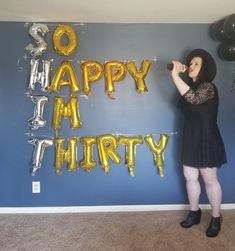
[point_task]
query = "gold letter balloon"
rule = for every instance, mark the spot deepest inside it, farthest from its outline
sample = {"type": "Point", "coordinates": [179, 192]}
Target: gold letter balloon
{"type": "Point", "coordinates": [107, 145]}
{"type": "Point", "coordinates": [69, 110]}
{"type": "Point", "coordinates": [114, 71]}
{"type": "Point", "coordinates": [61, 155]}
{"type": "Point", "coordinates": [68, 48]}
{"type": "Point", "coordinates": [158, 150]}
{"type": "Point", "coordinates": [65, 69]}
{"type": "Point", "coordinates": [88, 162]}
{"type": "Point", "coordinates": [91, 71]}
{"type": "Point", "coordinates": [130, 143]}
{"type": "Point", "coordinates": [139, 75]}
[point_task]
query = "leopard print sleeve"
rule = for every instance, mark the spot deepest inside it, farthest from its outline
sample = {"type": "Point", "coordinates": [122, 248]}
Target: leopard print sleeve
{"type": "Point", "coordinates": [201, 95]}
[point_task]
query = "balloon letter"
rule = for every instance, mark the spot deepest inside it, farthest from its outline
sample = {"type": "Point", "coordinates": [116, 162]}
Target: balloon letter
{"type": "Point", "coordinates": [158, 150]}
{"type": "Point", "coordinates": [42, 78]}
{"type": "Point", "coordinates": [61, 155]}
{"type": "Point", "coordinates": [91, 71]}
{"type": "Point", "coordinates": [69, 110]}
{"type": "Point", "coordinates": [114, 71]}
{"type": "Point", "coordinates": [39, 148]}
{"type": "Point", "coordinates": [107, 145]}
{"type": "Point", "coordinates": [41, 44]}
{"type": "Point", "coordinates": [130, 143]}
{"type": "Point", "coordinates": [140, 75]}
{"type": "Point", "coordinates": [67, 48]}
{"type": "Point", "coordinates": [65, 68]}
{"type": "Point", "coordinates": [88, 163]}
{"type": "Point", "coordinates": [37, 120]}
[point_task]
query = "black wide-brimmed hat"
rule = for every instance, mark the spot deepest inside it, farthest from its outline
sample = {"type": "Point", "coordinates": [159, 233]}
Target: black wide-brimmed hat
{"type": "Point", "coordinates": [208, 70]}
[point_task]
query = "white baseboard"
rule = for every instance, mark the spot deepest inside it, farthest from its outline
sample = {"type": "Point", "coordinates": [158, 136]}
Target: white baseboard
{"type": "Point", "coordinates": [100, 209]}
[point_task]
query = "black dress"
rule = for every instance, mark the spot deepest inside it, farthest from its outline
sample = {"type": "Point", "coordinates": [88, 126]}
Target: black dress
{"type": "Point", "coordinates": [202, 143]}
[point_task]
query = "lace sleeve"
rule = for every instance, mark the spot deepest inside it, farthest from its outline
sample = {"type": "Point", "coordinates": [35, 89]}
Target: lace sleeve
{"type": "Point", "coordinates": [201, 95]}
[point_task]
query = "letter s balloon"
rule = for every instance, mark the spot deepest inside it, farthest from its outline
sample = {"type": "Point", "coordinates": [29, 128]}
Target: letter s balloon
{"type": "Point", "coordinates": [41, 47]}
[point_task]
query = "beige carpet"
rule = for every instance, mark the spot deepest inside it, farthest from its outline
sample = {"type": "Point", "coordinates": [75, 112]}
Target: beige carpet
{"type": "Point", "coordinates": [112, 231]}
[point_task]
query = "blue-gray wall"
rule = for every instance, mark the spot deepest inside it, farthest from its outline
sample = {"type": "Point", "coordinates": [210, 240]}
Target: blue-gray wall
{"type": "Point", "coordinates": [130, 113]}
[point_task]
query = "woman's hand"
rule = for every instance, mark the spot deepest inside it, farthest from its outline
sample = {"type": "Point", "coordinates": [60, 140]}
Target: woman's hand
{"type": "Point", "coordinates": [179, 83]}
{"type": "Point", "coordinates": [177, 68]}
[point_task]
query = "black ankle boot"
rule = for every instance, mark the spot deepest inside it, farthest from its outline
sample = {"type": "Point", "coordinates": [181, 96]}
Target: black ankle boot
{"type": "Point", "coordinates": [193, 218]}
{"type": "Point", "coordinates": [214, 227]}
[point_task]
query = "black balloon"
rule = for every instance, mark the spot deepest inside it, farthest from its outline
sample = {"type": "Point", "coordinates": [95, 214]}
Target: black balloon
{"type": "Point", "coordinates": [227, 51]}
{"type": "Point", "coordinates": [217, 31]}
{"type": "Point", "coordinates": [229, 26]}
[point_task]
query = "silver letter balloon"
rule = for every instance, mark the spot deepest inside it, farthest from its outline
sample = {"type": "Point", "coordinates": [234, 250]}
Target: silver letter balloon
{"type": "Point", "coordinates": [39, 148]}
{"type": "Point", "coordinates": [41, 47]}
{"type": "Point", "coordinates": [42, 78]}
{"type": "Point", "coordinates": [37, 120]}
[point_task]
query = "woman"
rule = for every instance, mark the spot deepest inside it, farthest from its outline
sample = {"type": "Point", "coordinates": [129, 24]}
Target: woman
{"type": "Point", "coordinates": [203, 149]}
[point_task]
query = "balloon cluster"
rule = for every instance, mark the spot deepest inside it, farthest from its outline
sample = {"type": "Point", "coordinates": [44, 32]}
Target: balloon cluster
{"type": "Point", "coordinates": [107, 146]}
{"type": "Point", "coordinates": [37, 31]}
{"type": "Point", "coordinates": [224, 31]}
{"type": "Point", "coordinates": [65, 75]}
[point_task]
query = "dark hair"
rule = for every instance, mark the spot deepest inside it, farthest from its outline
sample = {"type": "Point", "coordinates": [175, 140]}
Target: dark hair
{"type": "Point", "coordinates": [208, 68]}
